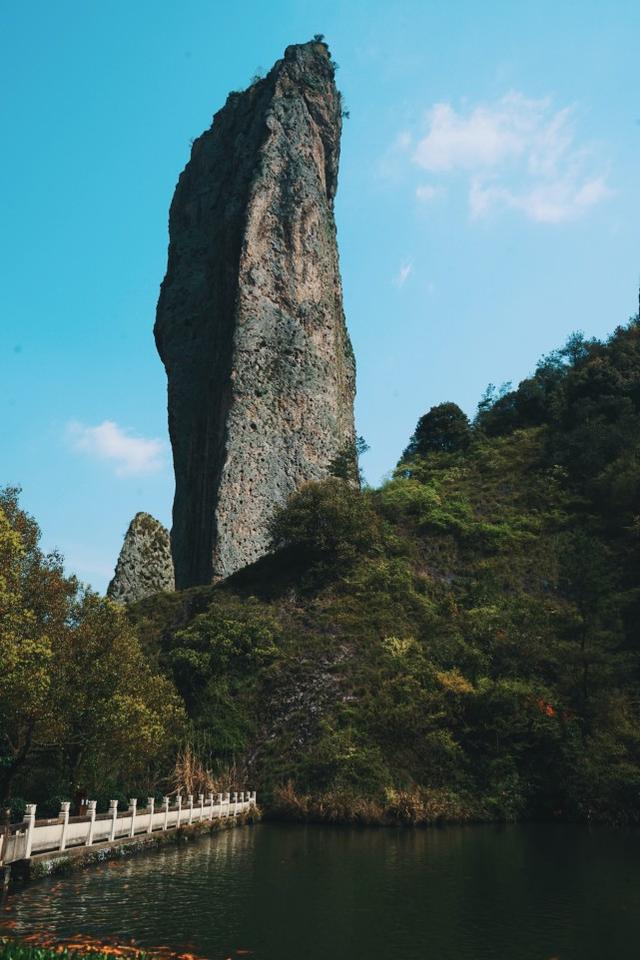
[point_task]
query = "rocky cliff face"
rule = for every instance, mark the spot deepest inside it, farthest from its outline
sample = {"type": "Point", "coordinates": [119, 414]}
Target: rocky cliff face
{"type": "Point", "coordinates": [250, 325]}
{"type": "Point", "coordinates": [144, 566]}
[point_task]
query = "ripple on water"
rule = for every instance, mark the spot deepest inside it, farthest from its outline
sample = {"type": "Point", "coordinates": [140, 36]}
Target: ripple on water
{"type": "Point", "coordinates": [274, 892]}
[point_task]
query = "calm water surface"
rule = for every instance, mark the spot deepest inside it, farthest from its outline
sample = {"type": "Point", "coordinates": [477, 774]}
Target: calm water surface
{"type": "Point", "coordinates": [314, 893]}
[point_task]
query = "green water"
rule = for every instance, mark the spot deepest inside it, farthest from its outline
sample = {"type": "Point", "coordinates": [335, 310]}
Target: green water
{"type": "Point", "coordinates": [313, 893]}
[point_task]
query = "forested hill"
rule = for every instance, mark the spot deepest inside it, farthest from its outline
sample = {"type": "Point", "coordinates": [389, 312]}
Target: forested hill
{"type": "Point", "coordinates": [460, 643]}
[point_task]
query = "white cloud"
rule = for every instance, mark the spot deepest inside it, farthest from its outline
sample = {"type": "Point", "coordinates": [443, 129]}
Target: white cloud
{"type": "Point", "coordinates": [486, 137]}
{"type": "Point", "coordinates": [128, 454]}
{"type": "Point", "coordinates": [403, 274]}
{"type": "Point", "coordinates": [548, 202]}
{"type": "Point", "coordinates": [518, 153]}
{"type": "Point", "coordinates": [427, 192]}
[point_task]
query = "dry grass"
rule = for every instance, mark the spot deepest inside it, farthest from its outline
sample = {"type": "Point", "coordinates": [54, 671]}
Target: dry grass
{"type": "Point", "coordinates": [191, 776]}
{"type": "Point", "coordinates": [413, 807]}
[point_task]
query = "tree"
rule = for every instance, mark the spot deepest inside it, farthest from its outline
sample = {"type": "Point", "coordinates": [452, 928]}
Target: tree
{"type": "Point", "coordinates": [34, 599]}
{"type": "Point", "coordinates": [75, 686]}
{"type": "Point", "coordinates": [346, 464]}
{"type": "Point", "coordinates": [328, 523]}
{"type": "Point", "coordinates": [444, 429]}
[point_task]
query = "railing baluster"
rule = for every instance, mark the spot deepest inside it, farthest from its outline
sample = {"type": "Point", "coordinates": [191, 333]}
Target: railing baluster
{"type": "Point", "coordinates": [30, 821]}
{"type": "Point", "coordinates": [64, 814]}
{"type": "Point", "coordinates": [91, 810]}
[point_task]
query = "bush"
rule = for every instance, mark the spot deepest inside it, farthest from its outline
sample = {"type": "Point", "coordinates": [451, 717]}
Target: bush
{"type": "Point", "coordinates": [328, 523]}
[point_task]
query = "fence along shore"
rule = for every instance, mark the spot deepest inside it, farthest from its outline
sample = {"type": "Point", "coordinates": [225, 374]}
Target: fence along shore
{"type": "Point", "coordinates": [31, 837]}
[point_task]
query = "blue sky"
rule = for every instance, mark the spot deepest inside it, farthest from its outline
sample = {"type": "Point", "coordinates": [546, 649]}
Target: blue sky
{"type": "Point", "coordinates": [488, 205]}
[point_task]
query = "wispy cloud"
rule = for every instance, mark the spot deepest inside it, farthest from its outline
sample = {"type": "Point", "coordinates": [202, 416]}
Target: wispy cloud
{"type": "Point", "coordinates": [127, 453]}
{"type": "Point", "coordinates": [517, 153]}
{"type": "Point", "coordinates": [427, 192]}
{"type": "Point", "coordinates": [403, 274]}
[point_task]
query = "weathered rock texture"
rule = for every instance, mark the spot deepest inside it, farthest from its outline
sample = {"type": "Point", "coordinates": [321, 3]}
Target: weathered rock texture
{"type": "Point", "coordinates": [144, 566]}
{"type": "Point", "coordinates": [250, 325]}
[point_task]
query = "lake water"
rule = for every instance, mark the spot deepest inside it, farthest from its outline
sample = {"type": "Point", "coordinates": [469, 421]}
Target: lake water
{"type": "Point", "coordinates": [279, 892]}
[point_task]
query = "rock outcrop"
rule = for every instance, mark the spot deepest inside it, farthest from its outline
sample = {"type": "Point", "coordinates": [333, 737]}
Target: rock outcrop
{"type": "Point", "coordinates": [144, 566]}
{"type": "Point", "coordinates": [250, 324]}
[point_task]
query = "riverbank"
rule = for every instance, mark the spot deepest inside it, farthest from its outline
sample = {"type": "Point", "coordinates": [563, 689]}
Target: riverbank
{"type": "Point", "coordinates": [41, 947]}
{"type": "Point", "coordinates": [397, 808]}
{"type": "Point", "coordinates": [38, 949]}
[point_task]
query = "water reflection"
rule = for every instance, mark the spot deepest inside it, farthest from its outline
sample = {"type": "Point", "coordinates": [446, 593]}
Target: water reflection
{"type": "Point", "coordinates": [276, 892]}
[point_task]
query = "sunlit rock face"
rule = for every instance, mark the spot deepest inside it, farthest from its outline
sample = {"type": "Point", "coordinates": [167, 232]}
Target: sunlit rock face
{"type": "Point", "coordinates": [144, 566]}
{"type": "Point", "coordinates": [250, 323]}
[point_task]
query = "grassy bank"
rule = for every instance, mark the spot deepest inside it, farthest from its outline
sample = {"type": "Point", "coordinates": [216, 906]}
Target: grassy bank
{"type": "Point", "coordinates": [42, 947]}
{"type": "Point", "coordinates": [411, 808]}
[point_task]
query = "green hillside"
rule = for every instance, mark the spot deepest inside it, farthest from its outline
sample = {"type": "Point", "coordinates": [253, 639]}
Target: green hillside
{"type": "Point", "coordinates": [461, 643]}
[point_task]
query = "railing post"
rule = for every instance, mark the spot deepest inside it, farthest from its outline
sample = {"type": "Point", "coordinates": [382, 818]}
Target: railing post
{"type": "Point", "coordinates": [179, 805]}
{"type": "Point", "coordinates": [165, 802]}
{"type": "Point", "coordinates": [190, 802]}
{"type": "Point", "coordinates": [4, 833]}
{"type": "Point", "coordinates": [30, 821]}
{"type": "Point", "coordinates": [201, 802]}
{"type": "Point", "coordinates": [151, 803]}
{"type": "Point", "coordinates": [234, 801]}
{"type": "Point", "coordinates": [64, 816]}
{"type": "Point", "coordinates": [210, 817]}
{"type": "Point", "coordinates": [113, 810]}
{"type": "Point", "coordinates": [91, 810]}
{"type": "Point", "coordinates": [132, 807]}
{"type": "Point", "coordinates": [253, 798]}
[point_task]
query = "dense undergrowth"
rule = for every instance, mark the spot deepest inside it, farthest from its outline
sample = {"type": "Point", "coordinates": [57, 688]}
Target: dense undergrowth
{"type": "Point", "coordinates": [460, 644]}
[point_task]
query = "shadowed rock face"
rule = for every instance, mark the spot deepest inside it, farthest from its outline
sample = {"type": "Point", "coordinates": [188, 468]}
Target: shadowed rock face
{"type": "Point", "coordinates": [250, 325]}
{"type": "Point", "coordinates": [144, 566]}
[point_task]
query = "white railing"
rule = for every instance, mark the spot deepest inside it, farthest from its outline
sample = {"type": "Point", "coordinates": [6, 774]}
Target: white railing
{"type": "Point", "coordinates": [21, 841]}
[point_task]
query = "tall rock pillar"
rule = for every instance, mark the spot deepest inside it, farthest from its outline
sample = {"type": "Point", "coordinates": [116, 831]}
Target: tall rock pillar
{"type": "Point", "coordinates": [250, 325]}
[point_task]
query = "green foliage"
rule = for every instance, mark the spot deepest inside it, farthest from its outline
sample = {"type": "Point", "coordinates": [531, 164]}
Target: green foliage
{"type": "Point", "coordinates": [444, 429]}
{"type": "Point", "coordinates": [346, 464]}
{"type": "Point", "coordinates": [77, 695]}
{"type": "Point", "coordinates": [329, 525]}
{"type": "Point", "coordinates": [480, 613]}
{"type": "Point", "coordinates": [47, 950]}
{"type": "Point", "coordinates": [460, 643]}
{"type": "Point", "coordinates": [214, 662]}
